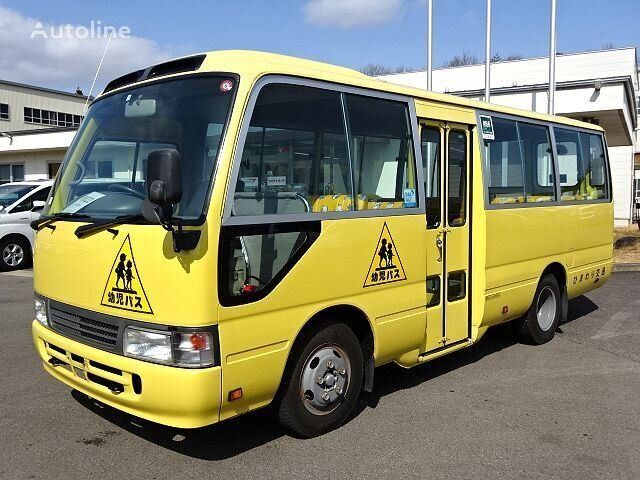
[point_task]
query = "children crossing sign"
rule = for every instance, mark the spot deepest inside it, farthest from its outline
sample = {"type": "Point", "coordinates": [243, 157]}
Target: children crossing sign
{"type": "Point", "coordinates": [386, 266]}
{"type": "Point", "coordinates": [124, 288]}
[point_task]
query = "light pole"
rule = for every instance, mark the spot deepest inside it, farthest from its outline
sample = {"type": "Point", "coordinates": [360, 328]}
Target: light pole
{"type": "Point", "coordinates": [487, 57]}
{"type": "Point", "coordinates": [551, 109]}
{"type": "Point", "coordinates": [430, 46]}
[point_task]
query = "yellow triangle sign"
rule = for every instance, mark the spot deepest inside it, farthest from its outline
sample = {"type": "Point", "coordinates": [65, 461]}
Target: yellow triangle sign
{"type": "Point", "coordinates": [386, 266]}
{"type": "Point", "coordinates": [124, 289]}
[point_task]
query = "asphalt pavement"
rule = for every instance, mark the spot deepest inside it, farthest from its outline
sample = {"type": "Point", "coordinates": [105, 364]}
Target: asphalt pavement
{"type": "Point", "coordinates": [569, 409]}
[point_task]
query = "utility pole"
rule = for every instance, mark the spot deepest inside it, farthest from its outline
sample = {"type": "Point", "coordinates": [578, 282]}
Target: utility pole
{"type": "Point", "coordinates": [487, 59]}
{"type": "Point", "coordinates": [430, 46]}
{"type": "Point", "coordinates": [551, 109]}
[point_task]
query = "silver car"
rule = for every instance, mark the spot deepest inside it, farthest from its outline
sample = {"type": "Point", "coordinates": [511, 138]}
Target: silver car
{"type": "Point", "coordinates": [20, 203]}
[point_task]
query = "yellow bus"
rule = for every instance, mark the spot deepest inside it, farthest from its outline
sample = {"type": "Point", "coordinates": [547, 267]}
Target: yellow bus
{"type": "Point", "coordinates": [237, 229]}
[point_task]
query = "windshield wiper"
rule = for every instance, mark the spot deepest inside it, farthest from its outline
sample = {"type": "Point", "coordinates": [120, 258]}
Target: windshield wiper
{"type": "Point", "coordinates": [49, 219]}
{"type": "Point", "coordinates": [84, 230]}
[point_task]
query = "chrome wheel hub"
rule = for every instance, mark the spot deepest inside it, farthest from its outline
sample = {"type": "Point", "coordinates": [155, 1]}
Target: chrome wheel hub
{"type": "Point", "coordinates": [324, 379]}
{"type": "Point", "coordinates": [13, 255]}
{"type": "Point", "coordinates": [546, 308]}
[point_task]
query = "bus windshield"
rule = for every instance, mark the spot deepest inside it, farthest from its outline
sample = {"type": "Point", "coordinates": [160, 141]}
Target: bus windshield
{"type": "Point", "coordinates": [103, 175]}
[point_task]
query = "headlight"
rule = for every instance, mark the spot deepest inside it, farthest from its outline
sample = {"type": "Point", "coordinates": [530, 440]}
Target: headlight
{"type": "Point", "coordinates": [180, 349]}
{"type": "Point", "coordinates": [40, 306]}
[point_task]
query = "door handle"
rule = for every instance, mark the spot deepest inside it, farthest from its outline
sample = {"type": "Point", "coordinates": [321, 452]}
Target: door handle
{"type": "Point", "coordinates": [439, 244]}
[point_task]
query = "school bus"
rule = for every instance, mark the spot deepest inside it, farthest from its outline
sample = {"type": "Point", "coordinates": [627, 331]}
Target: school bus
{"type": "Point", "coordinates": [237, 229]}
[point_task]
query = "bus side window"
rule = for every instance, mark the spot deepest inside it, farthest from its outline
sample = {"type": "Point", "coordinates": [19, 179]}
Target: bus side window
{"type": "Point", "coordinates": [382, 153]}
{"type": "Point", "coordinates": [295, 156]}
{"type": "Point", "coordinates": [430, 144]}
{"type": "Point", "coordinates": [504, 164]}
{"type": "Point", "coordinates": [569, 164]}
{"type": "Point", "coordinates": [594, 164]}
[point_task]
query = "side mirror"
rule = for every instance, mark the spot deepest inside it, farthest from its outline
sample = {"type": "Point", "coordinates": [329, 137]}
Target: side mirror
{"type": "Point", "coordinates": [164, 190]}
{"type": "Point", "coordinates": [164, 181]}
{"type": "Point", "coordinates": [38, 205]}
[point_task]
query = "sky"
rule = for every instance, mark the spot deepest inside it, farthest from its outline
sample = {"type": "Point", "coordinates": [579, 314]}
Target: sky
{"type": "Point", "coordinates": [351, 33]}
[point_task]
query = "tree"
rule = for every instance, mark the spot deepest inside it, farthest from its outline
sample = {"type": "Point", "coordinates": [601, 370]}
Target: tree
{"type": "Point", "coordinates": [464, 59]}
{"type": "Point", "coordinates": [608, 46]}
{"type": "Point", "coordinates": [496, 58]}
{"type": "Point", "coordinates": [377, 69]}
{"type": "Point", "coordinates": [514, 56]}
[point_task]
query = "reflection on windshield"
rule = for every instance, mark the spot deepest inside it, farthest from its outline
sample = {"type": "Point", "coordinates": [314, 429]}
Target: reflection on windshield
{"type": "Point", "coordinates": [10, 194]}
{"type": "Point", "coordinates": [103, 175]}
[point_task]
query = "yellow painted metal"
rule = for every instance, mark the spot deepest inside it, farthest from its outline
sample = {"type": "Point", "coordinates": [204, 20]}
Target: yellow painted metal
{"type": "Point", "coordinates": [509, 251]}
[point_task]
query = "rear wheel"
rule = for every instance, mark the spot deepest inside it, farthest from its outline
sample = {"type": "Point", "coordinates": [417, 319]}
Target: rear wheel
{"type": "Point", "coordinates": [325, 382]}
{"type": "Point", "coordinates": [15, 253]}
{"type": "Point", "coordinates": [541, 321]}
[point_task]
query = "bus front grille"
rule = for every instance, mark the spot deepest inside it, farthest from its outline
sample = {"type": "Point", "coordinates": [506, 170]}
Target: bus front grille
{"type": "Point", "coordinates": [83, 328]}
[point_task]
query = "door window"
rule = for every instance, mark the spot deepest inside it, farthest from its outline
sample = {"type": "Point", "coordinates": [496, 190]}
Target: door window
{"type": "Point", "coordinates": [430, 144]}
{"type": "Point", "coordinates": [457, 178]}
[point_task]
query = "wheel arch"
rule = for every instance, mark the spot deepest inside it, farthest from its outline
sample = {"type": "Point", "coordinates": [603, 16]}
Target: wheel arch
{"type": "Point", "coordinates": [17, 236]}
{"type": "Point", "coordinates": [350, 315]}
{"type": "Point", "coordinates": [559, 272]}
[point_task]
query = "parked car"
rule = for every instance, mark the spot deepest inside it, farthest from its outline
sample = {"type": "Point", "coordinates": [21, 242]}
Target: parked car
{"type": "Point", "coordinates": [20, 203]}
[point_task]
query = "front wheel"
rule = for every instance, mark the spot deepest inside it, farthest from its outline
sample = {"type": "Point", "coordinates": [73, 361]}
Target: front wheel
{"type": "Point", "coordinates": [541, 321]}
{"type": "Point", "coordinates": [325, 383]}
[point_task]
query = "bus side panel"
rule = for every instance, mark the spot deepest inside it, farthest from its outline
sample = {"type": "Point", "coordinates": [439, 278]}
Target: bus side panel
{"type": "Point", "coordinates": [590, 233]}
{"type": "Point", "coordinates": [256, 338]}
{"type": "Point", "coordinates": [522, 242]}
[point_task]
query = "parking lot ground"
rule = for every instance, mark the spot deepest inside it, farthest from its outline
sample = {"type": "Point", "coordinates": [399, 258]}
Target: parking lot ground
{"type": "Point", "coordinates": [569, 409]}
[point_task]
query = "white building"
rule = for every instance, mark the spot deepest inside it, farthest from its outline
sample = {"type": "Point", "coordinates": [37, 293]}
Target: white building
{"type": "Point", "coordinates": [599, 87]}
{"type": "Point", "coordinates": [36, 127]}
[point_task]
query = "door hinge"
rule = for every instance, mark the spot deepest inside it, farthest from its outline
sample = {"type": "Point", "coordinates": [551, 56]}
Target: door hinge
{"type": "Point", "coordinates": [444, 341]}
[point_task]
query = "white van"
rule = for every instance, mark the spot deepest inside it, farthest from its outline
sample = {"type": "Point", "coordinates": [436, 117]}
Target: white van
{"type": "Point", "coordinates": [20, 203]}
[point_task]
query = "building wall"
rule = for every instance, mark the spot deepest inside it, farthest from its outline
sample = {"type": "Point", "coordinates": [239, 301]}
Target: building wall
{"type": "Point", "coordinates": [18, 97]}
{"type": "Point", "coordinates": [621, 160]}
{"type": "Point", "coordinates": [535, 71]}
{"type": "Point", "coordinates": [36, 162]}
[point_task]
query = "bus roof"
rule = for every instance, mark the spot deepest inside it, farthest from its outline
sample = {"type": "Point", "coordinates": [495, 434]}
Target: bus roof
{"type": "Point", "coordinates": [256, 64]}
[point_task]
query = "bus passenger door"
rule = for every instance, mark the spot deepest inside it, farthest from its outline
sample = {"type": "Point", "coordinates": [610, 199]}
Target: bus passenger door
{"type": "Point", "coordinates": [445, 156]}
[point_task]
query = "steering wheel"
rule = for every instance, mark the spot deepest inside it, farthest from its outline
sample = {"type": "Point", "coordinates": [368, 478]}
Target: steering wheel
{"type": "Point", "coordinates": [135, 193]}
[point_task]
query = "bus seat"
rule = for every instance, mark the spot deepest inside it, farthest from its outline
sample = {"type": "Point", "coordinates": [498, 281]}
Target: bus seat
{"type": "Point", "coordinates": [266, 203]}
{"type": "Point", "coordinates": [373, 202]}
{"type": "Point", "coordinates": [332, 203]}
{"type": "Point", "coordinates": [539, 198]}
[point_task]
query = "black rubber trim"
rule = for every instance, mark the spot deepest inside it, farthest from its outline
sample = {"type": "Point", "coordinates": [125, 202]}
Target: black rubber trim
{"type": "Point", "coordinates": [312, 228]}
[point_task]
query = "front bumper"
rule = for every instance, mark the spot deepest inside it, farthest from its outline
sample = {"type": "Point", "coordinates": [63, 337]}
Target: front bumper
{"type": "Point", "coordinates": [178, 397]}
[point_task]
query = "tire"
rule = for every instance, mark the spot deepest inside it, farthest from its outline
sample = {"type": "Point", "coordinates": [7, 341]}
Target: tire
{"type": "Point", "coordinates": [539, 325]}
{"type": "Point", "coordinates": [15, 253]}
{"type": "Point", "coordinates": [309, 408]}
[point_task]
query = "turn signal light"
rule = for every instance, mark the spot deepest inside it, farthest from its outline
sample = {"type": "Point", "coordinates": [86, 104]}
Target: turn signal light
{"type": "Point", "coordinates": [235, 394]}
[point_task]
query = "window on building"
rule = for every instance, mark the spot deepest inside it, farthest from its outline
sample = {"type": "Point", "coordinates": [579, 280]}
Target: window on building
{"type": "Point", "coordinates": [12, 172]}
{"type": "Point", "coordinates": [430, 144]}
{"type": "Point", "coordinates": [52, 169]}
{"type": "Point", "coordinates": [48, 117]}
{"type": "Point", "coordinates": [4, 111]}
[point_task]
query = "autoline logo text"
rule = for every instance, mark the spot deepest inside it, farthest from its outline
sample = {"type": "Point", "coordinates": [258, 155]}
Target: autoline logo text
{"type": "Point", "coordinates": [95, 30]}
